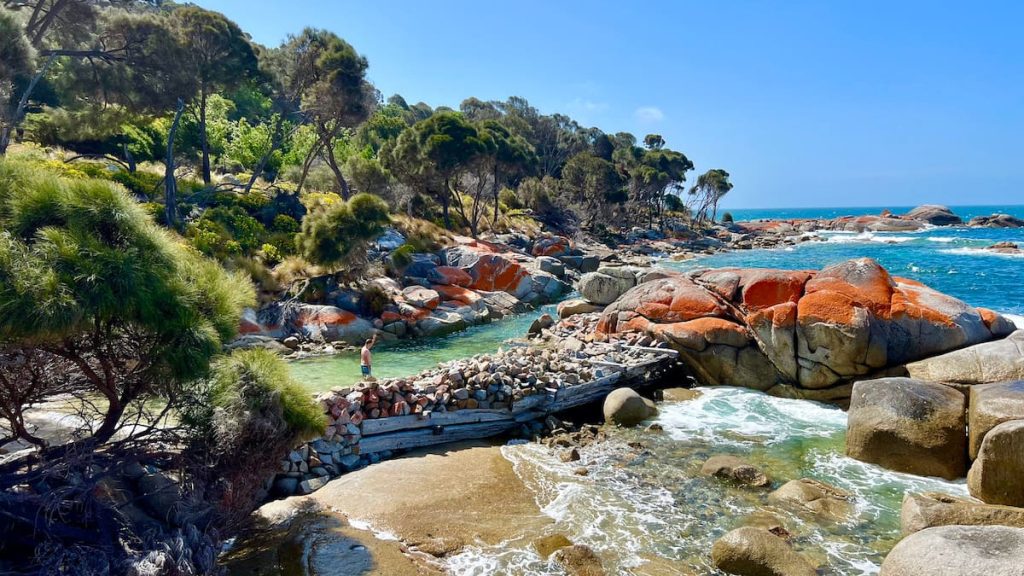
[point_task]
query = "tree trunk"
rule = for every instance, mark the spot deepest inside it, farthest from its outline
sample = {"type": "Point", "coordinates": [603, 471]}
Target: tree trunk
{"type": "Point", "coordinates": [445, 200]}
{"type": "Point", "coordinates": [306, 165]}
{"type": "Point", "coordinates": [41, 26]}
{"type": "Point", "coordinates": [333, 163]}
{"type": "Point", "coordinates": [19, 112]}
{"type": "Point", "coordinates": [495, 220]}
{"type": "Point", "coordinates": [170, 184]}
{"type": "Point", "coordinates": [274, 142]}
{"type": "Point", "coordinates": [132, 166]}
{"type": "Point", "coordinates": [204, 141]}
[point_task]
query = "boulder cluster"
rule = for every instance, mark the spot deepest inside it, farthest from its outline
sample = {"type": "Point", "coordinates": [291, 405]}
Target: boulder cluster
{"type": "Point", "coordinates": [962, 414]}
{"type": "Point", "coordinates": [805, 334]}
{"type": "Point", "coordinates": [434, 293]}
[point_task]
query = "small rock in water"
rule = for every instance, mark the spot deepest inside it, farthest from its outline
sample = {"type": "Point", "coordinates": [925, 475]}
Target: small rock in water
{"type": "Point", "coordinates": [752, 551]}
{"type": "Point", "coordinates": [570, 455]}
{"type": "Point", "coordinates": [579, 560]}
{"type": "Point", "coordinates": [547, 545]}
{"type": "Point", "coordinates": [736, 470]}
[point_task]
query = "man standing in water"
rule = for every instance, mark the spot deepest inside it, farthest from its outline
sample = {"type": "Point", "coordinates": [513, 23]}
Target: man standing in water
{"type": "Point", "coordinates": [365, 358]}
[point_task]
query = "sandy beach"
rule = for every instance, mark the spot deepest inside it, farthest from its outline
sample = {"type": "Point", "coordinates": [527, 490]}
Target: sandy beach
{"type": "Point", "coordinates": [420, 507]}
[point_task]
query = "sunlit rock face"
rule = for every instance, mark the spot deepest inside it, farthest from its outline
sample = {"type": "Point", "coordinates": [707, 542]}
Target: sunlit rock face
{"type": "Point", "coordinates": [799, 332]}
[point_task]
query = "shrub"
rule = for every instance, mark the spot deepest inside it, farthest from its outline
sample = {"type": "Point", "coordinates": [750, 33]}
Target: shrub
{"type": "Point", "coordinates": [727, 217]}
{"type": "Point", "coordinates": [374, 300]}
{"type": "Point", "coordinates": [270, 254]}
{"type": "Point", "coordinates": [510, 199]}
{"type": "Point", "coordinates": [286, 224]}
{"type": "Point", "coordinates": [331, 235]}
{"type": "Point", "coordinates": [142, 184]}
{"type": "Point", "coordinates": [243, 419]}
{"type": "Point", "coordinates": [402, 256]}
{"type": "Point", "coordinates": [87, 279]}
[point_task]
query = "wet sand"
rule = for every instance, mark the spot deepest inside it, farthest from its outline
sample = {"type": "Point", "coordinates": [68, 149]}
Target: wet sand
{"type": "Point", "coordinates": [433, 502]}
{"type": "Point", "coordinates": [440, 500]}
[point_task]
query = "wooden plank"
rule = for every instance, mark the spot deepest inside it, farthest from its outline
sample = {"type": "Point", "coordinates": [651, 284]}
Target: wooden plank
{"type": "Point", "coordinates": [663, 351]}
{"type": "Point", "coordinates": [428, 437]}
{"type": "Point", "coordinates": [572, 391]}
{"type": "Point", "coordinates": [416, 421]}
{"type": "Point", "coordinates": [383, 425]}
{"type": "Point", "coordinates": [528, 403]}
{"type": "Point", "coordinates": [613, 365]}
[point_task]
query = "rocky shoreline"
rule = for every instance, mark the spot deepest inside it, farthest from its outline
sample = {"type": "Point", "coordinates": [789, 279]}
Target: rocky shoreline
{"type": "Point", "coordinates": [472, 282]}
{"type": "Point", "coordinates": [729, 327]}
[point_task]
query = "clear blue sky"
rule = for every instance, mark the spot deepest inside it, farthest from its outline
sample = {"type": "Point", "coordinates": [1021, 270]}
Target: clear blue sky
{"type": "Point", "coordinates": [804, 103]}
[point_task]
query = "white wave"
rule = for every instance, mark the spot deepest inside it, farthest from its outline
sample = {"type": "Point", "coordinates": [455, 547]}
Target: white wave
{"type": "Point", "coordinates": [742, 417]}
{"type": "Point", "coordinates": [981, 252]}
{"type": "Point", "coordinates": [880, 237]}
{"type": "Point", "coordinates": [943, 239]}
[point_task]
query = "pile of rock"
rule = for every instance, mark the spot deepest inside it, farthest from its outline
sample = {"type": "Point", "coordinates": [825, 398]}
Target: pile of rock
{"type": "Point", "coordinates": [468, 283]}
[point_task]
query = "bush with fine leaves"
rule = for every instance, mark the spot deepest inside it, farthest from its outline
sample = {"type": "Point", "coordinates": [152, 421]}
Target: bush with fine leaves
{"type": "Point", "coordinates": [244, 418]}
{"type": "Point", "coordinates": [341, 231]}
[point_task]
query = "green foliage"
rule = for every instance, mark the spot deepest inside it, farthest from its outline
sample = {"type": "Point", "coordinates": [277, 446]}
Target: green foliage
{"type": "Point", "coordinates": [247, 144]}
{"type": "Point", "coordinates": [673, 203]}
{"type": "Point", "coordinates": [242, 228]}
{"type": "Point", "coordinates": [285, 224]}
{"type": "Point", "coordinates": [334, 233]}
{"type": "Point", "coordinates": [249, 385]}
{"type": "Point", "coordinates": [16, 55]}
{"type": "Point", "coordinates": [142, 184]}
{"type": "Point", "coordinates": [402, 256]}
{"type": "Point", "coordinates": [374, 300]}
{"type": "Point", "coordinates": [510, 199]}
{"type": "Point", "coordinates": [81, 263]}
{"type": "Point", "coordinates": [727, 218]}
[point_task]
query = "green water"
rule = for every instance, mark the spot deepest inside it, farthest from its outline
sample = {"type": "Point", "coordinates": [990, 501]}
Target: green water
{"type": "Point", "coordinates": [411, 356]}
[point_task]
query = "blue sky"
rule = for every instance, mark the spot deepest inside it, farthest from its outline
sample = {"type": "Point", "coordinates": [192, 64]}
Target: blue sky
{"type": "Point", "coordinates": [804, 103]}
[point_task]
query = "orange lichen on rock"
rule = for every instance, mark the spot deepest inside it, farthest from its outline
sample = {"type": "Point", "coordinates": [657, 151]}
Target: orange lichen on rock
{"type": "Point", "coordinates": [495, 272]}
{"type": "Point", "coordinates": [781, 315]}
{"type": "Point", "coordinates": [451, 276]}
{"type": "Point", "coordinates": [767, 288]}
{"type": "Point", "coordinates": [826, 306]}
{"type": "Point", "coordinates": [863, 283]}
{"type": "Point", "coordinates": [457, 293]}
{"type": "Point", "coordinates": [328, 316]}
{"type": "Point", "coordinates": [989, 317]}
{"type": "Point", "coordinates": [908, 301]}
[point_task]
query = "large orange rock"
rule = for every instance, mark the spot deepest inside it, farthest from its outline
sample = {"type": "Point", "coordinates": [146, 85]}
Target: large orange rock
{"type": "Point", "coordinates": [450, 275]}
{"type": "Point", "coordinates": [492, 271]}
{"type": "Point", "coordinates": [330, 323]}
{"type": "Point", "coordinates": [553, 246]}
{"type": "Point", "coordinates": [803, 329]}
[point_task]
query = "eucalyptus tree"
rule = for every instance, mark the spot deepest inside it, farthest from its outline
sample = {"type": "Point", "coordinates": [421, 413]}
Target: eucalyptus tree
{"type": "Point", "coordinates": [708, 191]}
{"type": "Point", "coordinates": [217, 54]}
{"type": "Point", "coordinates": [328, 77]}
{"type": "Point", "coordinates": [593, 185]}
{"type": "Point", "coordinates": [512, 157]}
{"type": "Point", "coordinates": [435, 155]}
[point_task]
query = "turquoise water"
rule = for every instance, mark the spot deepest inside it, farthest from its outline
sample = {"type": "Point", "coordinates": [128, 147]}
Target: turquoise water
{"type": "Point", "coordinates": [646, 509]}
{"type": "Point", "coordinates": [947, 259]}
{"type": "Point", "coordinates": [965, 212]}
{"type": "Point", "coordinates": [411, 356]}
